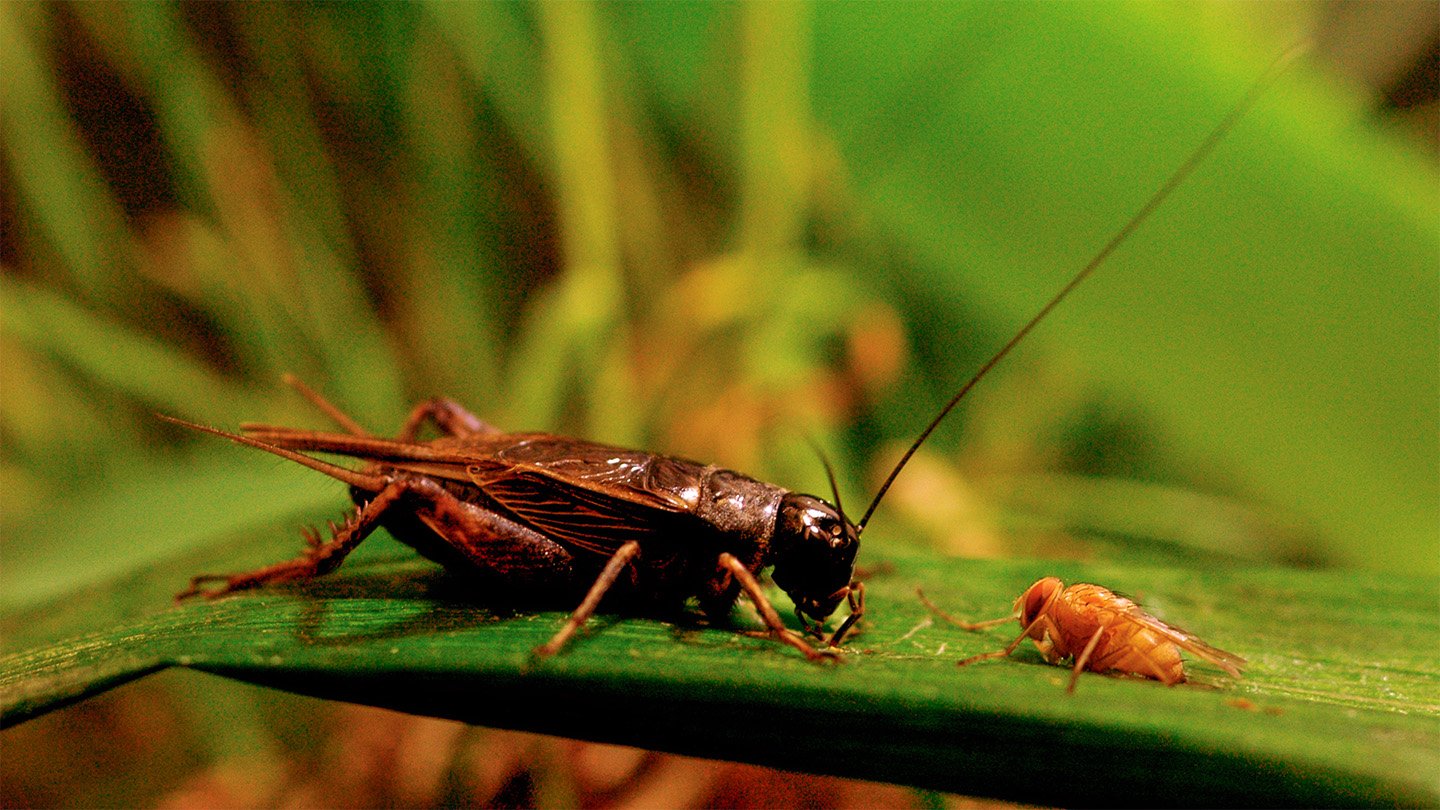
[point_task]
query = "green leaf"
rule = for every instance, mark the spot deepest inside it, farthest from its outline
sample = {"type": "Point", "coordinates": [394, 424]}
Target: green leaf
{"type": "Point", "coordinates": [1338, 706]}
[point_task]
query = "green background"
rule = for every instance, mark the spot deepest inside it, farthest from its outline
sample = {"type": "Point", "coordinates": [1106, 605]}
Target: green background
{"type": "Point", "coordinates": [714, 230]}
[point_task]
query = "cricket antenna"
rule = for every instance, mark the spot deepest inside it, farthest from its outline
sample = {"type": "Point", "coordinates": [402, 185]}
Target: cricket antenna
{"type": "Point", "coordinates": [1179, 176]}
{"type": "Point", "coordinates": [829, 474]}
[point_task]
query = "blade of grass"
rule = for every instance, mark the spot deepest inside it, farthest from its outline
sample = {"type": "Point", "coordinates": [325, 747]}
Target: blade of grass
{"type": "Point", "coordinates": [776, 140]}
{"type": "Point", "coordinates": [500, 53]}
{"type": "Point", "coordinates": [590, 293]}
{"type": "Point", "coordinates": [456, 287]}
{"type": "Point", "coordinates": [114, 354]}
{"type": "Point", "coordinates": [54, 176]}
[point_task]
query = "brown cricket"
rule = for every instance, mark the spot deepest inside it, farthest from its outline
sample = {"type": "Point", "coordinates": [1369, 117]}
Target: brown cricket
{"type": "Point", "coordinates": [544, 513]}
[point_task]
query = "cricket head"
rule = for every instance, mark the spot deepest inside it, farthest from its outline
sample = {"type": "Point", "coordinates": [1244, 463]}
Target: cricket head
{"type": "Point", "coordinates": [814, 553]}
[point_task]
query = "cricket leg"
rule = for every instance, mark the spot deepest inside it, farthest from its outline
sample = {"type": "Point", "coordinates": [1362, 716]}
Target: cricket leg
{"type": "Point", "coordinates": [1009, 648]}
{"type": "Point", "coordinates": [778, 630]}
{"type": "Point", "coordinates": [856, 600]}
{"type": "Point", "coordinates": [582, 614]}
{"type": "Point", "coordinates": [338, 416]}
{"type": "Point", "coordinates": [448, 415]}
{"type": "Point", "coordinates": [963, 625]}
{"type": "Point", "coordinates": [319, 559]}
{"type": "Point", "coordinates": [1084, 658]}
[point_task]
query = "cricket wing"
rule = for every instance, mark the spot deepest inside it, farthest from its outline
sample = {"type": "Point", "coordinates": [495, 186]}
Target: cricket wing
{"type": "Point", "coordinates": [584, 517]}
{"type": "Point", "coordinates": [587, 495]}
{"type": "Point", "coordinates": [369, 448]}
{"type": "Point", "coordinates": [645, 479]}
{"type": "Point", "coordinates": [594, 496]}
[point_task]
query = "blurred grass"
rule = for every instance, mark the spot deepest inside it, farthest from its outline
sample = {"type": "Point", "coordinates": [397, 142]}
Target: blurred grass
{"type": "Point", "coordinates": [711, 230]}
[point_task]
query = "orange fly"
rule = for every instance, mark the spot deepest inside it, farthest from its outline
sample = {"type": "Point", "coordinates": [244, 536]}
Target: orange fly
{"type": "Point", "coordinates": [1101, 631]}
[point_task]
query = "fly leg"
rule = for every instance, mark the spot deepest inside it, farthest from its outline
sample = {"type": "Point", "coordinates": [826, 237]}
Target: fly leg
{"type": "Point", "coordinates": [582, 614]}
{"type": "Point", "coordinates": [1084, 658]}
{"type": "Point", "coordinates": [778, 630]}
{"type": "Point", "coordinates": [963, 625]}
{"type": "Point", "coordinates": [448, 415]}
{"type": "Point", "coordinates": [1010, 648]}
{"type": "Point", "coordinates": [319, 558]}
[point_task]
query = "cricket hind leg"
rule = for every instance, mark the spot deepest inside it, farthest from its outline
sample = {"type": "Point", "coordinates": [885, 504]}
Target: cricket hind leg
{"type": "Point", "coordinates": [320, 558]}
{"type": "Point", "coordinates": [448, 415]}
{"type": "Point", "coordinates": [448, 516]}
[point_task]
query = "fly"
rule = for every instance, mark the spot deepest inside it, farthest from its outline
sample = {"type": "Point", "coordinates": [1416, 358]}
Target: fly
{"type": "Point", "coordinates": [1098, 630]}
{"type": "Point", "coordinates": [557, 515]}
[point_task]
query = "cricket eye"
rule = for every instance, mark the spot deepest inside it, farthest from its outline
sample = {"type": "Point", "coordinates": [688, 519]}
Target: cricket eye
{"type": "Point", "coordinates": [826, 529]}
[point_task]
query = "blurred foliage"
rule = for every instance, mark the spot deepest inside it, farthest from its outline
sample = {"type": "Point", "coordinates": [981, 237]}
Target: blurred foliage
{"type": "Point", "coordinates": [714, 230]}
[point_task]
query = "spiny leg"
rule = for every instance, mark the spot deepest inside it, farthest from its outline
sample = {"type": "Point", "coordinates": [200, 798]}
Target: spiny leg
{"type": "Point", "coordinates": [582, 614]}
{"type": "Point", "coordinates": [778, 630]}
{"type": "Point", "coordinates": [963, 625]}
{"type": "Point", "coordinates": [319, 558]}
{"type": "Point", "coordinates": [448, 415]}
{"type": "Point", "coordinates": [1084, 658]}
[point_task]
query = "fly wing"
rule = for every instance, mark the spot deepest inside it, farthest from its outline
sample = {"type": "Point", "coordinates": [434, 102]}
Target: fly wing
{"type": "Point", "coordinates": [1228, 661]}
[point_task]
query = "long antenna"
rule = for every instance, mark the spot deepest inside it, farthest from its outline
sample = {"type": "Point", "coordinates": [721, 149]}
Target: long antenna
{"type": "Point", "coordinates": [1184, 171]}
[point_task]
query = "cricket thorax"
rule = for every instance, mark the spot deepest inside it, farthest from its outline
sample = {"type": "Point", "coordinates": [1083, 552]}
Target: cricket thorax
{"type": "Point", "coordinates": [740, 508]}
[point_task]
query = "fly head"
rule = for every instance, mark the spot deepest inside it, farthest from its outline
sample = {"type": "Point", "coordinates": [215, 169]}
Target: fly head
{"type": "Point", "coordinates": [1037, 599]}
